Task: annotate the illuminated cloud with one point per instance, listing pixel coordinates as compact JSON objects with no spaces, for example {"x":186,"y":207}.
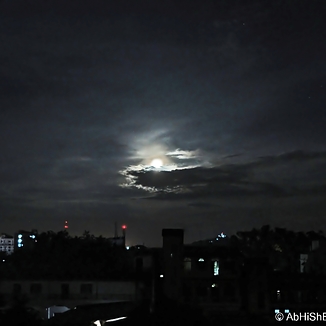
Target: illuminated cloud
{"x":169,"y":161}
{"x":183,"y":155}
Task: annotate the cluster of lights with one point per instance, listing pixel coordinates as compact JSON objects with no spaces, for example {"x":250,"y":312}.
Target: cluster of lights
{"x":222,"y":235}
{"x":20,"y":239}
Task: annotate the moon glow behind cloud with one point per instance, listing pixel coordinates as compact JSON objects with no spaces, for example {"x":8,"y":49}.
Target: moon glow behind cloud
{"x":157,"y":163}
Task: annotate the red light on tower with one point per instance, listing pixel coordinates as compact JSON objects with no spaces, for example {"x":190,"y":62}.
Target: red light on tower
{"x":66,"y":225}
{"x":124,"y":228}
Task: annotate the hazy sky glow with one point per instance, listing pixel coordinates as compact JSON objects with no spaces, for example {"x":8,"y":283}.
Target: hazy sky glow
{"x":229,"y":95}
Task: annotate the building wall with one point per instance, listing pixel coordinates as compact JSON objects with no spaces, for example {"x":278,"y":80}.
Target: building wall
{"x":7,"y":244}
{"x":76,"y":289}
{"x":43,"y":294}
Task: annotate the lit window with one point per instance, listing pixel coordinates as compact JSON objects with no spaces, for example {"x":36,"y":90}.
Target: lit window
{"x":216,"y":268}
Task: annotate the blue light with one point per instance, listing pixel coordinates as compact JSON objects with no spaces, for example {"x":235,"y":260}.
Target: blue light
{"x":20,"y":236}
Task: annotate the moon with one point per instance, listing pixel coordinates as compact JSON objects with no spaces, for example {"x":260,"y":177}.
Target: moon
{"x":156,"y":163}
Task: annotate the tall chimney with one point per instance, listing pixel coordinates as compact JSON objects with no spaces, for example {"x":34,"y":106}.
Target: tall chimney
{"x":172,"y":262}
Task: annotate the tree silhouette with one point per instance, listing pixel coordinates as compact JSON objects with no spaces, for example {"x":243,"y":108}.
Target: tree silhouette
{"x":60,"y":256}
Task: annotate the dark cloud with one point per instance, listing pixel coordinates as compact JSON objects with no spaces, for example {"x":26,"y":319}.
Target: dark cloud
{"x":296,"y":116}
{"x":278,"y":176}
{"x":201,"y":205}
{"x":92,"y":91}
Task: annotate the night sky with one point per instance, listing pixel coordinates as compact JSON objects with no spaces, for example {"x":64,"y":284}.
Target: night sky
{"x":228,"y":97}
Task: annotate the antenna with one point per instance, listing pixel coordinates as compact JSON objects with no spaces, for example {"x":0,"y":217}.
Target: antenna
{"x":124,"y":228}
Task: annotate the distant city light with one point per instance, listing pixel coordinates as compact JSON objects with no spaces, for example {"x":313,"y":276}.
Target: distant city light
{"x":20,"y":236}
{"x":127,"y":247}
{"x":201,"y":259}
{"x":161,"y":276}
{"x":124,"y":226}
